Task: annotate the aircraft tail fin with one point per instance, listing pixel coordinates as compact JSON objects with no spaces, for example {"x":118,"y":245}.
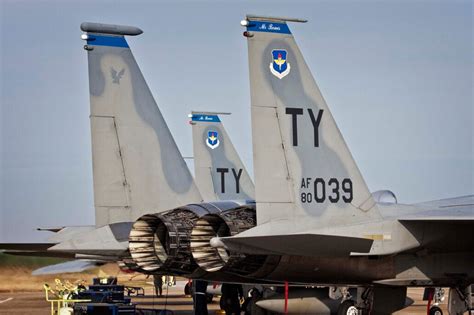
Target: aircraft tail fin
{"x":220,"y":173}
{"x":303,"y":167}
{"x":137,"y":166}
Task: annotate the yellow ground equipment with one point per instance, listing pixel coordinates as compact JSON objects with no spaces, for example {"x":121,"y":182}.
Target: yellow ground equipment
{"x":63,"y":296}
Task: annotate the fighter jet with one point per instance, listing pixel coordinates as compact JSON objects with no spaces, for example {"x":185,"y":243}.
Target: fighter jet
{"x":137,"y":167}
{"x":317,"y":221}
{"x":314,"y":210}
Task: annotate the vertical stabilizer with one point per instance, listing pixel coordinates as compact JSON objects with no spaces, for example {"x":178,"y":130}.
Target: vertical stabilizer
{"x":303,"y":168}
{"x":137,"y":167}
{"x":220,"y":174}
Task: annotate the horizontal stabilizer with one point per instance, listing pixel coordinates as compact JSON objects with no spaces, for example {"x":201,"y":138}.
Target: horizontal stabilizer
{"x":69,"y":232}
{"x":67,"y":267}
{"x":463,"y":201}
{"x":26,"y":246}
{"x":100,"y":241}
{"x":43,"y":253}
{"x":316,"y":245}
{"x":54,"y":229}
{"x":453,"y":214}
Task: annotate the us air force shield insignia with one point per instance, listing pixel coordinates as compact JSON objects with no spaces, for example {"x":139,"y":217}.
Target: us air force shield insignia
{"x":279,"y":67}
{"x":212,"y":140}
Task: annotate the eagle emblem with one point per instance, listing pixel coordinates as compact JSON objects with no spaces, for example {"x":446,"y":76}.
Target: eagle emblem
{"x":116,"y":76}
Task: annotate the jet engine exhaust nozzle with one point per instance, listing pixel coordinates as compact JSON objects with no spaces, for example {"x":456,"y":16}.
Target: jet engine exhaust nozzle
{"x":208,"y":250}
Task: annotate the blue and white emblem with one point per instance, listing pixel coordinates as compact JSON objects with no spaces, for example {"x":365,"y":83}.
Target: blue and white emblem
{"x":212,"y":140}
{"x":279,"y":67}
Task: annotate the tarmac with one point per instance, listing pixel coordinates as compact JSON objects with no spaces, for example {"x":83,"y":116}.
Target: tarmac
{"x":173,"y":300}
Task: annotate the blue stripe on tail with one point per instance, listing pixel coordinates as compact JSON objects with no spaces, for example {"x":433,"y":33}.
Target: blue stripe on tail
{"x":112,"y":41}
{"x":268,"y":27}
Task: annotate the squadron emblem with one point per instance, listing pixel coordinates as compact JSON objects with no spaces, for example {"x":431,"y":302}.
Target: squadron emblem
{"x":212,"y":140}
{"x":116,"y":76}
{"x":279,"y":67}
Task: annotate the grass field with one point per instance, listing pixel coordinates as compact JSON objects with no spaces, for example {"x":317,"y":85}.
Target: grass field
{"x":25,"y":261}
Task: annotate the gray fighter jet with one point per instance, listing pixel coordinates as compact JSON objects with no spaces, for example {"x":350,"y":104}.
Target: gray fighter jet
{"x":317,"y":221}
{"x":137,"y":167}
{"x":314,"y":210}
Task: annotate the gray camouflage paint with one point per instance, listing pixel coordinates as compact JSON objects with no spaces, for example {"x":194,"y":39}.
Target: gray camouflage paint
{"x":207,"y":160}
{"x":138,"y":168}
{"x":270,"y":97}
{"x":441,"y":230}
